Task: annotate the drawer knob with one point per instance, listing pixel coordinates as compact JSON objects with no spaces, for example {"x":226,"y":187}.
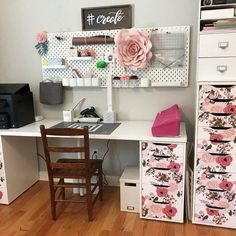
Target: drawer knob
{"x":222,"y":68}
{"x":223,"y":45}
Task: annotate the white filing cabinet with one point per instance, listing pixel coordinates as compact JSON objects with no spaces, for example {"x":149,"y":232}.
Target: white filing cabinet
{"x":18,"y":166}
{"x":214,"y":200}
{"x":129,"y":189}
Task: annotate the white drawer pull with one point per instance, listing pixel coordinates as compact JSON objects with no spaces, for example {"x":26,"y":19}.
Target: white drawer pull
{"x":223,"y":45}
{"x":222,"y":68}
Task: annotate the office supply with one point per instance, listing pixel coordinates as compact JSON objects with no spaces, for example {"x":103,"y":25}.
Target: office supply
{"x":62,"y":170}
{"x":16,"y":100}
{"x":50,"y":93}
{"x":167,"y":122}
{"x":130,"y":189}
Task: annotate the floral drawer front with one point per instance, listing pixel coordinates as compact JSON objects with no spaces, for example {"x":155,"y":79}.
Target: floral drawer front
{"x":216,"y":162}
{"x":161,"y":203}
{"x":161,"y":151}
{"x":171,"y":194}
{"x":217,"y":134}
{"x":3,"y":195}
{"x":217,"y":181}
{"x":163,"y":176}
{"x":2,"y":179}
{"x":222,"y":107}
{"x":217,"y":92}
{"x":217,"y":147}
{"x":216,"y":120}
{"x":214,"y":216}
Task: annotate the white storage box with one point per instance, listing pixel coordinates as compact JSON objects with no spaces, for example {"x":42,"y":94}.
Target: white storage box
{"x":130,"y":189}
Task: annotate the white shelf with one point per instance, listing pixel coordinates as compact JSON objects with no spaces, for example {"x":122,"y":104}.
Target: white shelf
{"x":79,"y":58}
{"x":218,"y":6}
{"x":54,"y":67}
{"x":218,"y":31}
{"x":215,"y":19}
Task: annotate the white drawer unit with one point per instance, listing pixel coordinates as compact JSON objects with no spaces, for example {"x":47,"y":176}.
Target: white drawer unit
{"x":162,"y":171}
{"x":217,"y":45}
{"x":217,"y":69}
{"x":18,"y":166}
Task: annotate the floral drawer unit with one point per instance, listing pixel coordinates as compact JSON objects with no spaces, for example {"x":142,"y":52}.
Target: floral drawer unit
{"x":216,"y":120}
{"x":215,"y":190}
{"x":216,"y":162}
{"x":217,"y":92}
{"x":159,"y":202}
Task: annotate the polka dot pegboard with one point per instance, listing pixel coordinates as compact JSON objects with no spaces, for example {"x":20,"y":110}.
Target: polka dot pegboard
{"x":158,"y":75}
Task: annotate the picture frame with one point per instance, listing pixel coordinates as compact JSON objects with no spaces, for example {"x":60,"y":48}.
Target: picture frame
{"x":106,"y":17}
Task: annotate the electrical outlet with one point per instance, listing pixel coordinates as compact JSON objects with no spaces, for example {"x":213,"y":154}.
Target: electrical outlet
{"x":94,"y":153}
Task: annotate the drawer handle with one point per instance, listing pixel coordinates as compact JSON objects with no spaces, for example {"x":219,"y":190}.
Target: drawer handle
{"x":220,"y":114}
{"x":217,"y":172}
{"x":215,"y":207}
{"x":160,"y":185}
{"x":221,"y":100}
{"x":223,"y":45}
{"x":161,"y":156}
{"x":162,"y":144}
{"x":222,"y":68}
{"x":216,"y":190}
{"x":220,"y":128}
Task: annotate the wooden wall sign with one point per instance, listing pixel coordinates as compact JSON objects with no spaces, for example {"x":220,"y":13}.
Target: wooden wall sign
{"x":105,"y":18}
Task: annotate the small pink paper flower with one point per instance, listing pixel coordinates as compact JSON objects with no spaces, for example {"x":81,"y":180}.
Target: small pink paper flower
{"x":162,"y":192}
{"x":41,"y":37}
{"x":169,"y":211}
{"x":172,"y":146}
{"x":133,"y":48}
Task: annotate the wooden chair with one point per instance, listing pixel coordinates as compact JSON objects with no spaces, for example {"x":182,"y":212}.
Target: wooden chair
{"x":82,"y":169}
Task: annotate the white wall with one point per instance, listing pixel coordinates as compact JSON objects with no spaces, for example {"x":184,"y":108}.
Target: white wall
{"x":19,"y":61}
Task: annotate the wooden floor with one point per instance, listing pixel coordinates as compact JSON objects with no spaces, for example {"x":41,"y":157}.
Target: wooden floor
{"x":30,"y":215}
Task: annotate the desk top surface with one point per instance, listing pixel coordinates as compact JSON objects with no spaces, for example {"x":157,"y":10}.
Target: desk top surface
{"x":128,"y":130}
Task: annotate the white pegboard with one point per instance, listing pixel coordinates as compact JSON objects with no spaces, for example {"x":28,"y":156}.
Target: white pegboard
{"x":158,"y":76}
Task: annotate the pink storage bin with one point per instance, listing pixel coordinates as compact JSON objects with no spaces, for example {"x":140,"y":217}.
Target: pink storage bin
{"x":167,"y":122}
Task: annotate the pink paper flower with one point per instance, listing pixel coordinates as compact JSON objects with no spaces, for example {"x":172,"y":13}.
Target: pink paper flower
{"x":41,"y":37}
{"x":216,"y":137}
{"x":172,"y":146}
{"x":133,"y":48}
{"x":212,"y":184}
{"x":169,"y":211}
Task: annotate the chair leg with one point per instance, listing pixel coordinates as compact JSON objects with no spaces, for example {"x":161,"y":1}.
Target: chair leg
{"x":100,"y":183}
{"x":89,"y":198}
{"x":52,"y":197}
{"x":63,"y":190}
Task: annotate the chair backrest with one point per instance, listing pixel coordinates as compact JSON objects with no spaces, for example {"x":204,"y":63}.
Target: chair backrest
{"x":82,"y":133}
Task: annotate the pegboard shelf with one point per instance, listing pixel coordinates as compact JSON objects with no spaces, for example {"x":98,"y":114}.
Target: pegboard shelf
{"x":79,"y":58}
{"x":161,"y":72}
{"x":54,"y":67}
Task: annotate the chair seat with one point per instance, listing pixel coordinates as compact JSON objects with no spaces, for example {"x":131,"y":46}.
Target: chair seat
{"x":76,"y":173}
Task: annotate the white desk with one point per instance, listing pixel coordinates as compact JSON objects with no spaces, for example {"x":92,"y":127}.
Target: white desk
{"x":18,"y":152}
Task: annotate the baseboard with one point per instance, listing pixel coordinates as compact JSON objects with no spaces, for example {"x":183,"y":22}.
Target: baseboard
{"x":112,"y":180}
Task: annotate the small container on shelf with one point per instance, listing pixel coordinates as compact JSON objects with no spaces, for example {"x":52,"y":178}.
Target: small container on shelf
{"x":73,"y":82}
{"x":133,"y":81}
{"x":72,"y":52}
{"x":88,"y":82}
{"x":80,"y":82}
{"x":116,"y":82}
{"x":96,"y":82}
{"x":124,"y":79}
{"x":144,"y":82}
{"x":65,"y":82}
